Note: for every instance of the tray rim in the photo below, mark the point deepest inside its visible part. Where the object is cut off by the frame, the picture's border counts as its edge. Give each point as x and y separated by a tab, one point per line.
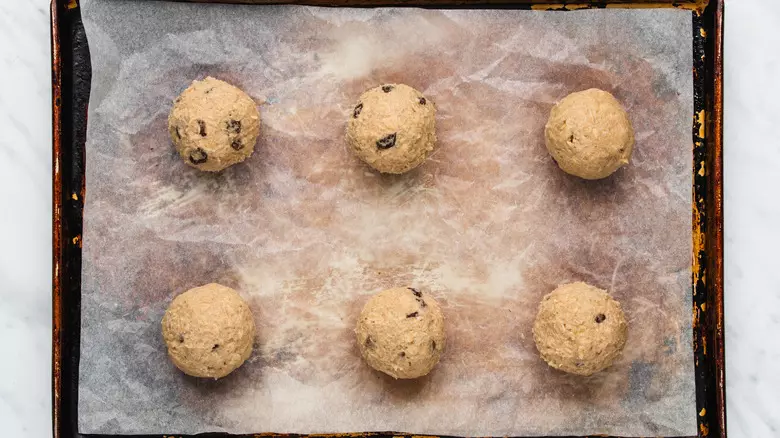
707	203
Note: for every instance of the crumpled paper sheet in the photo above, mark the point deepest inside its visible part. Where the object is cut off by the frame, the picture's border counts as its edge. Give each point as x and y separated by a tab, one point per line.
306	233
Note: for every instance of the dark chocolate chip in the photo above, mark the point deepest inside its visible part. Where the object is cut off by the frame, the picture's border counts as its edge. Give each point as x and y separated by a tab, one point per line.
209	90
198	156
433	344
571	138
422	302
181	339
369	342
214	347
357	110
234	126
202	128
412	315
600	318
416	292
386	142
422	101
237	145
402	354
387	88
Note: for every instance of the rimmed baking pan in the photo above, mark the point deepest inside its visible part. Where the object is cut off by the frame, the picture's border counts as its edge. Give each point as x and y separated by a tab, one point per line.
71	75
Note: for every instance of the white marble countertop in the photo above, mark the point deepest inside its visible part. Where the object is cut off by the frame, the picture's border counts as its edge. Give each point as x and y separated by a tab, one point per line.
752	217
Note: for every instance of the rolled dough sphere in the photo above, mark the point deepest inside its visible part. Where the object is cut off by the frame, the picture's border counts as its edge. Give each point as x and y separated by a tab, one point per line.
579	329
400	332
589	134
392	128
214	125
209	331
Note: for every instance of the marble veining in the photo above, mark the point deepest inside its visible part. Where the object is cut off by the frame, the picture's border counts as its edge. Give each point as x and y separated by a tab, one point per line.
25	219
752	212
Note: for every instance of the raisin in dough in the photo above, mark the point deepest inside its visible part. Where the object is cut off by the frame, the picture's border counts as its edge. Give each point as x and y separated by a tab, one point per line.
392	128
400	332
214	125
209	331
579	329
589	134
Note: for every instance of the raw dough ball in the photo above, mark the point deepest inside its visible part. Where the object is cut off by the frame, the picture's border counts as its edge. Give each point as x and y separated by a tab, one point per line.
392	128
579	329
209	331
589	134
214	125
401	332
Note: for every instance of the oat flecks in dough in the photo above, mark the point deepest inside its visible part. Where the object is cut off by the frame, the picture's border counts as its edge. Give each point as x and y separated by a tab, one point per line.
209	331
400	332
392	128
579	329
214	125
589	134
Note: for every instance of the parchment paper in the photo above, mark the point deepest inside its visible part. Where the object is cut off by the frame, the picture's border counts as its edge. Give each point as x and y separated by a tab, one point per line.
306	233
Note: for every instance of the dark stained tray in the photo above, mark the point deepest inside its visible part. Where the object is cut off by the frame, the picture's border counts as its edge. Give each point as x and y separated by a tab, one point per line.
71	76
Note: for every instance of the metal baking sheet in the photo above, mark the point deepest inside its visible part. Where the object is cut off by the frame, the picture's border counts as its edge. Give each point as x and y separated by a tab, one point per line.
69	121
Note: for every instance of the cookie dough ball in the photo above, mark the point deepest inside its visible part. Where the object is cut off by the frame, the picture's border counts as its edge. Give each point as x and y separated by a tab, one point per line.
400	332
214	125
589	134
392	128
209	331
579	329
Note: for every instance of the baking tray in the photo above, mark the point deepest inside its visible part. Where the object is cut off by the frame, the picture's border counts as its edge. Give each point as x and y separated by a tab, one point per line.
71	76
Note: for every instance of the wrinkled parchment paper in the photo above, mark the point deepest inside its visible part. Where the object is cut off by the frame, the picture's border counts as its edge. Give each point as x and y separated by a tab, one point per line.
307	233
